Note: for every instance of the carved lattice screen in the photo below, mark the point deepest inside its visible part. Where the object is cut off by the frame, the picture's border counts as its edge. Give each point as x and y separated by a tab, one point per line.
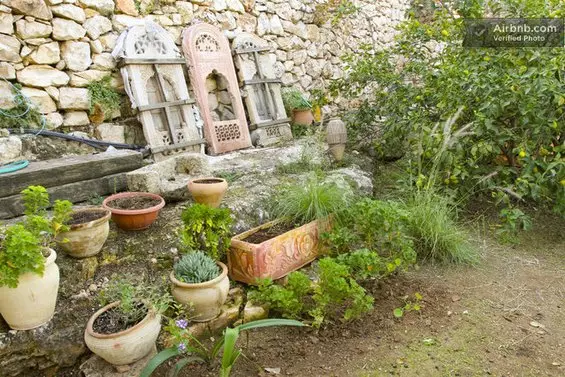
209	59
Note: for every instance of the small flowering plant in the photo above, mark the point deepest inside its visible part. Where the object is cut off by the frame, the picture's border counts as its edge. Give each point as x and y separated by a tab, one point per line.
183	343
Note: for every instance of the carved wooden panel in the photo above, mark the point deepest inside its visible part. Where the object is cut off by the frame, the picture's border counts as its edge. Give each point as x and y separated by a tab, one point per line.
208	57
152	69
263	99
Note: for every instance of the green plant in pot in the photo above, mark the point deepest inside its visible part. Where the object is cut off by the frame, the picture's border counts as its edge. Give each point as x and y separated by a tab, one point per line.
125	329
303	211
29	277
199	281
298	107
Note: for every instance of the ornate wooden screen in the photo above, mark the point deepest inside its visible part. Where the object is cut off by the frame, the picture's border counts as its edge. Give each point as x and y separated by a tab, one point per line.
152	69
268	120
209	61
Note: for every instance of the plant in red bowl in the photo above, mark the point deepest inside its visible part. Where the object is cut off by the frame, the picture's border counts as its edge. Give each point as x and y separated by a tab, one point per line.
134	210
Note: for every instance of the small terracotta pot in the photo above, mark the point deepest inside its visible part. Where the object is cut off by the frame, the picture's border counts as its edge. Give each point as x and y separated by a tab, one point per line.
206	298
134	219
32	303
303	116
85	240
209	191
124	347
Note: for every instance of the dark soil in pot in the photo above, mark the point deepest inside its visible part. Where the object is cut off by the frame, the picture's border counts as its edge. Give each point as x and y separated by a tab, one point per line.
134	202
85	217
113	321
266	234
208	180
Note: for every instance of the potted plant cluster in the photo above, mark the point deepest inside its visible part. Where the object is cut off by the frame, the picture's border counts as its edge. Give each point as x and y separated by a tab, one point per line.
87	232
134	210
29	276
209	191
298	107
281	246
125	329
199	278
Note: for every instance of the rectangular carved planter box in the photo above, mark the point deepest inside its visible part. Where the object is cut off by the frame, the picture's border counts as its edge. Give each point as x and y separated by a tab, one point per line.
275	257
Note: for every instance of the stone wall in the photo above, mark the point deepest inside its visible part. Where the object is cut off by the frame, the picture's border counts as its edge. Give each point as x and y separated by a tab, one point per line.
54	48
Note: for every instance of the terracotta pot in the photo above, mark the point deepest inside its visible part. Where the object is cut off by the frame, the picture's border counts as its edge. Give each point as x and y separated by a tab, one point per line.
134	219
32	303
276	257
209	191
303	116
85	240
124	347
206	298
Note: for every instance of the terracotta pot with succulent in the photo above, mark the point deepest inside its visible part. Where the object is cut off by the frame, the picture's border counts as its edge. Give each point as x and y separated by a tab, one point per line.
209	191
298	107
201	282
29	277
125	329
134	210
276	248
199	278
88	231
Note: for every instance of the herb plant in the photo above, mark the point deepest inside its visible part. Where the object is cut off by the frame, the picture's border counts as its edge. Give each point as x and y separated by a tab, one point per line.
288	300
196	267
22	245
294	100
207	229
185	344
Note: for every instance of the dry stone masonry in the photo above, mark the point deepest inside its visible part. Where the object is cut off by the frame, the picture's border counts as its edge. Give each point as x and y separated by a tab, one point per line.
55	46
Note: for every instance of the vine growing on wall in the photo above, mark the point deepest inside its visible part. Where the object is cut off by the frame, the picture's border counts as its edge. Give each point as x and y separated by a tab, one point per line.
334	10
23	115
104	99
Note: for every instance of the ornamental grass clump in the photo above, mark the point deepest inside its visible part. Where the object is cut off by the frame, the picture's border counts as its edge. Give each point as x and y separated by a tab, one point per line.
196	267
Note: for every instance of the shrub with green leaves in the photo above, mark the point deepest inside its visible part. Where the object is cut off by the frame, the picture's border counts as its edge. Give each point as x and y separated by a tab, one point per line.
207	229
294	100
196	267
22	245
512	101
288	300
102	93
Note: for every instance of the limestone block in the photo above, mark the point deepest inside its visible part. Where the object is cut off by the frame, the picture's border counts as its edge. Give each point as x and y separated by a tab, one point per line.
219	5
54	120
66	30
235	5
74	98
34	8
111	132
263	25
186	11
75	118
40	99
6	23
276	25
69	11
9	49
42	76
7	71
48	53
76	55
96	26
10	149
104	61
82	79
105	7
127	7
6	96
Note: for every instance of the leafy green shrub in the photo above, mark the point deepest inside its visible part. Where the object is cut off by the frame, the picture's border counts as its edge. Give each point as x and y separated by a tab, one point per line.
431	223
338	294
207	229
102	93
196	267
302	203
512	115
135	299
364	264
22	245
289	300
294	100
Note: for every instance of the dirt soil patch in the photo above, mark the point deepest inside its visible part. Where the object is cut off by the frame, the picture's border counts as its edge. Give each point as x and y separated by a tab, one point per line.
133	202
85	217
504	317
266	234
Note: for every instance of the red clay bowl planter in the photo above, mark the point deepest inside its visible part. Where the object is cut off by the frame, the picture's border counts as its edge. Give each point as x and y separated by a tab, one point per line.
127	346
209	191
302	116
275	257
134	219
32	303
86	239
206	298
